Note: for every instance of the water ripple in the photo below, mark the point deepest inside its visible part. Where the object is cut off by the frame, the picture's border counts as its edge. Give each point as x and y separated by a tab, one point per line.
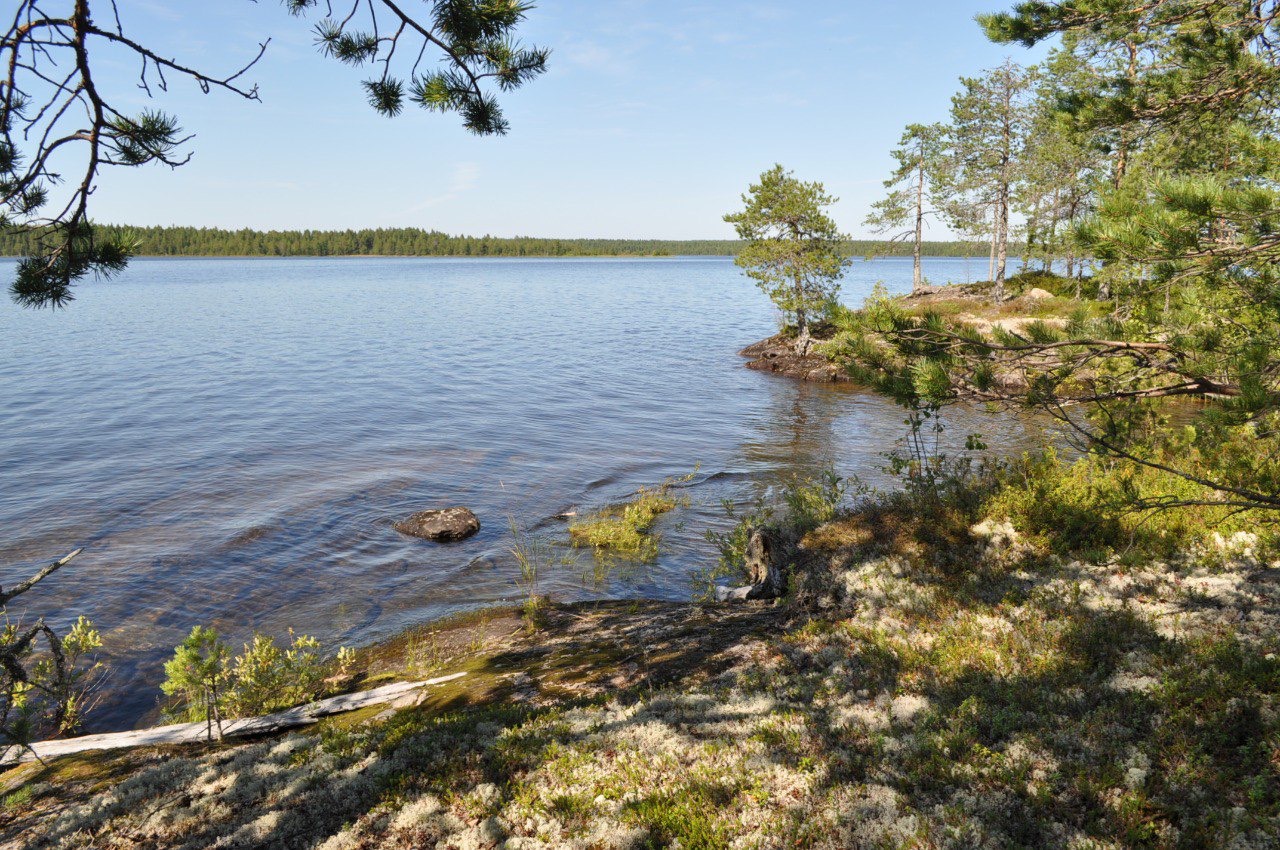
230	439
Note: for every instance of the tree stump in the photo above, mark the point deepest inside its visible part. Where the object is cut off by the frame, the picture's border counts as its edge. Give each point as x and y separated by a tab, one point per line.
764	565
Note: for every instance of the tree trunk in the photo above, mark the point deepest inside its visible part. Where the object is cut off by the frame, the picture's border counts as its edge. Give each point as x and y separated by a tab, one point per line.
1002	247
917	275
765	563
1051	244
803	339
1002	198
764	566
1122	149
991	263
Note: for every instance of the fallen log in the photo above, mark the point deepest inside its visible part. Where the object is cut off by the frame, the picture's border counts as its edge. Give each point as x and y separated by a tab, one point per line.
188	733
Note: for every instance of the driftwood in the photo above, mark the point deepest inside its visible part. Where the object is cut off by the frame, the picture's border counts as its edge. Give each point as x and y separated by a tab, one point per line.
400	693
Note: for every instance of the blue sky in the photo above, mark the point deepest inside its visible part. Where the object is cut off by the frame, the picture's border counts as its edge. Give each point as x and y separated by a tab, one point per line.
652	120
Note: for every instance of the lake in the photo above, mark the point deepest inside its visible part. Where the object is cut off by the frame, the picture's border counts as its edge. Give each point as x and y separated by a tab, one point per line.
231	439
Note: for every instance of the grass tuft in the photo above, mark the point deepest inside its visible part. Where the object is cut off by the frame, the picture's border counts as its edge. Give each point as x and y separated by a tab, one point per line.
627	529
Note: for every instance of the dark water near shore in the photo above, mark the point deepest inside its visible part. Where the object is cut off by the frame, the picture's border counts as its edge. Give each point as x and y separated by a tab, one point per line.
231	439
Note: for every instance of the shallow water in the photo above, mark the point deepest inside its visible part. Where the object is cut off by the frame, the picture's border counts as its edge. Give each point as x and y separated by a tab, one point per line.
231	439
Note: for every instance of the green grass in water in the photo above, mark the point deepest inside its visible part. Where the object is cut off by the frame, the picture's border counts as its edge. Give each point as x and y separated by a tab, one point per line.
626	528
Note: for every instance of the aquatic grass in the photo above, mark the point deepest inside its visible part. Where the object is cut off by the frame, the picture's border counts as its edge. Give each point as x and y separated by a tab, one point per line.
626	529
533	556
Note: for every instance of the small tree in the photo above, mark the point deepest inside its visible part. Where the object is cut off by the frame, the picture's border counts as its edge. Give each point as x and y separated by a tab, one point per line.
793	247
910	187
196	675
207	684
45	678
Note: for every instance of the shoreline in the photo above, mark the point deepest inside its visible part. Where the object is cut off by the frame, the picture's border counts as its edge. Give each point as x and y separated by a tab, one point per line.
632	723
777	355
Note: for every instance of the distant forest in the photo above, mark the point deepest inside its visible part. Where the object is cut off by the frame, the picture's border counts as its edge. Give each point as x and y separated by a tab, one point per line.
411	242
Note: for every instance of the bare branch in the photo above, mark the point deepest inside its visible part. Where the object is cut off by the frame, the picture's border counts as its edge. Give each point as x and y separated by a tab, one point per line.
22	587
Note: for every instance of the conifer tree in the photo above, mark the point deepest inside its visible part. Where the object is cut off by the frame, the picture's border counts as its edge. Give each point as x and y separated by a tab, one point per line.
1183	97
987	137
1063	167
919	155
793	247
196	677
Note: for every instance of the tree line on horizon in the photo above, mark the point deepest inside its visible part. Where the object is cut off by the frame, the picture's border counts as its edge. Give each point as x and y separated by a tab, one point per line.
414	242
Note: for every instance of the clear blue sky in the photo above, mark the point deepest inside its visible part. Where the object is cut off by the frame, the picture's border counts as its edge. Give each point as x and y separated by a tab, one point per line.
651	121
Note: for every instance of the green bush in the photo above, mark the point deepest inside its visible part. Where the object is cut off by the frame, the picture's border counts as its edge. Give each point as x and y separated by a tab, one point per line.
45	690
207	684
1097	505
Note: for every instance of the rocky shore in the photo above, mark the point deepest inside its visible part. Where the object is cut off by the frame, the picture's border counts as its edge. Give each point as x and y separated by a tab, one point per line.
777	354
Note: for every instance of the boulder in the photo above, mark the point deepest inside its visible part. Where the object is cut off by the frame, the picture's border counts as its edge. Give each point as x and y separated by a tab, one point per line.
1036	294
444	525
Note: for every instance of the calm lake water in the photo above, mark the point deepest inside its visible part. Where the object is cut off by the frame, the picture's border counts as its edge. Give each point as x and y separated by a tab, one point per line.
230	439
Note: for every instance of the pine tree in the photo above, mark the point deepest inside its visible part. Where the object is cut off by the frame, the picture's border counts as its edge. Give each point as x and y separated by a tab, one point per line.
196	677
1062	168
987	137
920	153
793	247
1183	98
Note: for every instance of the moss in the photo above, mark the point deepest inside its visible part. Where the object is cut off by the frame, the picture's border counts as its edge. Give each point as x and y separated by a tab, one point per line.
426	648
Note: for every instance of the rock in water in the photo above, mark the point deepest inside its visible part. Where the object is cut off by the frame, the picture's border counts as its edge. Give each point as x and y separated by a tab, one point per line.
444	525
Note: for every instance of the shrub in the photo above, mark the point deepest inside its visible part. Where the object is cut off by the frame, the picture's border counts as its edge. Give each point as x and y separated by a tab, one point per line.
269	678
1095	504
45	693
207	684
802	505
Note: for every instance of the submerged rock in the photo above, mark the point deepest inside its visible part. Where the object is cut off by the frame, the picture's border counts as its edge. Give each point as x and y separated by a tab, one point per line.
445	525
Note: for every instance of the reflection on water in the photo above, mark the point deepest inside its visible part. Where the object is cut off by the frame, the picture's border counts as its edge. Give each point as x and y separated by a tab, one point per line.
231	439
